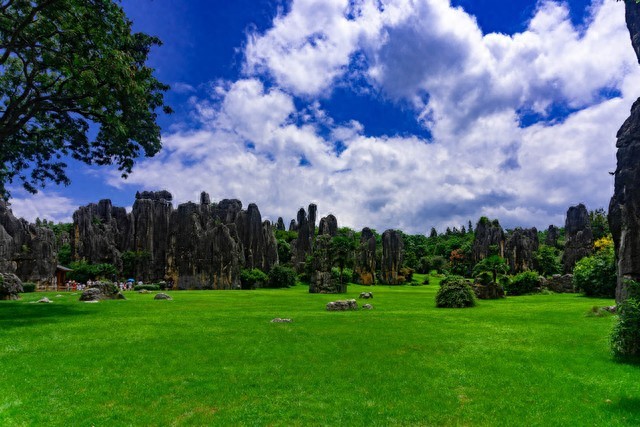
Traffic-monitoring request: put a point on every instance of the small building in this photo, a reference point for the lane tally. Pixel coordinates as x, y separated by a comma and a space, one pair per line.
61, 277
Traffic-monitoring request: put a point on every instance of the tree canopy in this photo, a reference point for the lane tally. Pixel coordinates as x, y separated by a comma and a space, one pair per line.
73, 81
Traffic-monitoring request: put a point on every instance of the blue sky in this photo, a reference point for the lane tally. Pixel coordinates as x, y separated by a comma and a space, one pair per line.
392, 114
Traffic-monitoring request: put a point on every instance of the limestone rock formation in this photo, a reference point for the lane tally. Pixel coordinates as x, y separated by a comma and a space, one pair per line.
27, 250
328, 225
303, 245
203, 254
553, 234
624, 208
148, 232
519, 249
280, 224
10, 286
392, 257
162, 296
257, 239
489, 236
322, 281
578, 237
365, 265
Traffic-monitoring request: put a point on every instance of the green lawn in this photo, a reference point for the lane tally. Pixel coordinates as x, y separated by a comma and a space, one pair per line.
214, 358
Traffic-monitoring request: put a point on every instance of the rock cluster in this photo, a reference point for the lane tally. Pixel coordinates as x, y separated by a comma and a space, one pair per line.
561, 284
10, 286
194, 246
553, 234
578, 237
100, 291
342, 305
302, 247
519, 249
624, 208
489, 237
322, 281
392, 257
26, 250
365, 264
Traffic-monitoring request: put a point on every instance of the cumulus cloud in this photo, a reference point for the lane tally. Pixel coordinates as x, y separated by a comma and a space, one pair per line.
43, 205
264, 138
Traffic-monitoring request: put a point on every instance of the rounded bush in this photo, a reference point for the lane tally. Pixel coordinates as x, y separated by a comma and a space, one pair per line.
454, 292
625, 338
253, 278
524, 283
28, 287
282, 277
595, 275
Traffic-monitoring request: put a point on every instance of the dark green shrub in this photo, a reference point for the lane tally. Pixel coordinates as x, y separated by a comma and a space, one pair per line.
625, 338
524, 283
83, 271
454, 292
282, 277
28, 287
147, 287
596, 275
253, 278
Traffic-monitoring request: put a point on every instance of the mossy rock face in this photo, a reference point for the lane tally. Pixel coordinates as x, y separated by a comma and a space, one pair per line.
10, 286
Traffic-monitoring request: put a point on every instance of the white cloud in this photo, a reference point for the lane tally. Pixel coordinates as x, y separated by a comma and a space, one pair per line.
43, 205
254, 144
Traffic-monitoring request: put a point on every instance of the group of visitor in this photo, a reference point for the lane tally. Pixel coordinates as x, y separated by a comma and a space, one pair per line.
72, 285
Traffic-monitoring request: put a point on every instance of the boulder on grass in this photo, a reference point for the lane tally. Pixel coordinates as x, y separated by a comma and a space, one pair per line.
488, 291
162, 295
100, 291
342, 305
366, 295
10, 286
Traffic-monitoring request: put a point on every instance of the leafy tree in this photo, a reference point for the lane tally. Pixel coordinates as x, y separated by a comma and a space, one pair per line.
524, 283
253, 278
83, 271
284, 251
64, 254
68, 66
281, 277
596, 275
454, 292
433, 233
494, 264
599, 223
546, 260
625, 337
342, 248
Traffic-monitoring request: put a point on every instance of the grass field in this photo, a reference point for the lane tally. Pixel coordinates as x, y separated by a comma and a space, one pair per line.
214, 358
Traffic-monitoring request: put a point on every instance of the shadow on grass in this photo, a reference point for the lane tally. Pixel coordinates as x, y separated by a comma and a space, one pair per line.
21, 314
628, 407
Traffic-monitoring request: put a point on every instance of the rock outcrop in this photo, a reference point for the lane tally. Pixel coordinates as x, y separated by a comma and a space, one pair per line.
342, 305
365, 265
302, 247
26, 250
10, 286
196, 246
624, 208
489, 238
578, 237
100, 291
328, 226
392, 257
553, 234
519, 249
559, 283
280, 224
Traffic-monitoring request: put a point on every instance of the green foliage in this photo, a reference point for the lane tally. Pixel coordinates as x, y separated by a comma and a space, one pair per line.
430, 263
284, 251
133, 261
342, 249
68, 66
599, 223
596, 275
281, 277
64, 254
524, 283
147, 287
454, 292
287, 236
625, 337
83, 271
493, 264
28, 287
253, 278
547, 260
